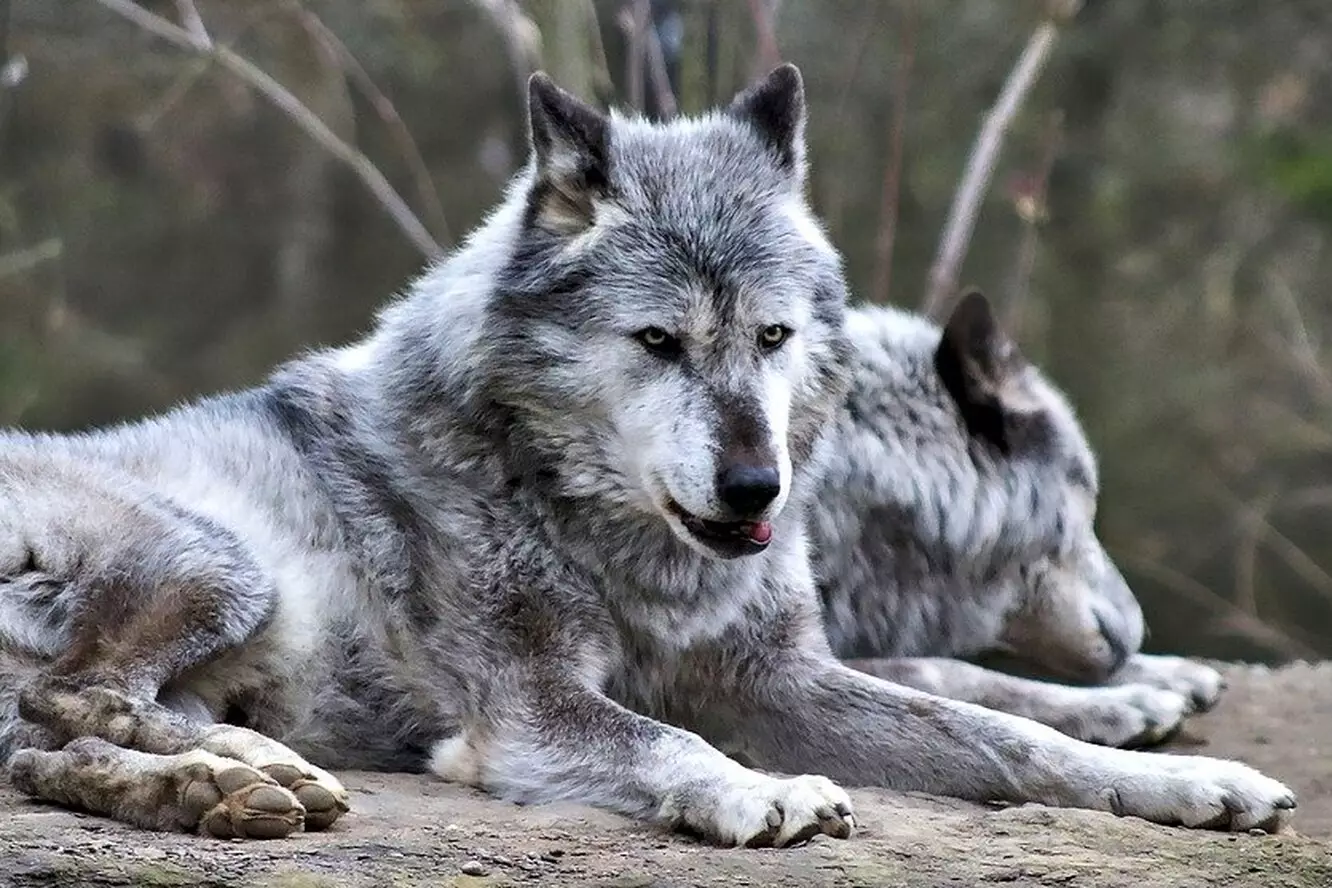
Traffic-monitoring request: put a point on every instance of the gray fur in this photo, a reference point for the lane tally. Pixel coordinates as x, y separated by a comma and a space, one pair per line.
472, 542
935, 538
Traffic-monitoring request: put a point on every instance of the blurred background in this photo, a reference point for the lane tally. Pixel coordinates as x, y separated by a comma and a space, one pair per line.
191, 192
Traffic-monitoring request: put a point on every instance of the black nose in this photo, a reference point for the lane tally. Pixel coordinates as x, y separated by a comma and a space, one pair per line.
1119, 652
747, 490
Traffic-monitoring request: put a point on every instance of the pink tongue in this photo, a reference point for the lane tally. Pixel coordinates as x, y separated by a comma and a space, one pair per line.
760, 532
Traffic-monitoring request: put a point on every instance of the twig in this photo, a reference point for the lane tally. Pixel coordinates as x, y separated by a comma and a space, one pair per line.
522, 40
892, 177
19, 261
633, 21
712, 51
1254, 526
388, 113
854, 59
1300, 349
147, 120
604, 86
1192, 590
1278, 543
193, 23
13, 68
834, 187
4, 33
302, 116
1033, 210
984, 156
1319, 497
765, 28
656, 65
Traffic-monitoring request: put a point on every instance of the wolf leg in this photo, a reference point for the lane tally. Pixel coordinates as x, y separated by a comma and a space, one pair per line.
1126, 715
71, 711
190, 791
560, 741
174, 594
1201, 684
788, 704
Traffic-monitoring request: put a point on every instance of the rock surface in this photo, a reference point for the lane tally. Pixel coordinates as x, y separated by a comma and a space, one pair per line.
413, 831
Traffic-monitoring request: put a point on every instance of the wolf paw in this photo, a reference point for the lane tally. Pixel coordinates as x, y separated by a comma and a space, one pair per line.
1128, 716
320, 793
227, 799
1199, 684
1201, 793
775, 812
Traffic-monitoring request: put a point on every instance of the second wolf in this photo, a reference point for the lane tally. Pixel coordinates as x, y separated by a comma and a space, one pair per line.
545, 531
955, 520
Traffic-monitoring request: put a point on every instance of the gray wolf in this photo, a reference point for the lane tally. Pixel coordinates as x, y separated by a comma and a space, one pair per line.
542, 532
954, 521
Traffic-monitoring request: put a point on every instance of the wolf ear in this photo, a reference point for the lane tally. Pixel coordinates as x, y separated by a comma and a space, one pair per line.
775, 108
977, 363
571, 146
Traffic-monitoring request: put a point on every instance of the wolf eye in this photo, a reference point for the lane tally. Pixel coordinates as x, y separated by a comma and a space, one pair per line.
659, 342
772, 337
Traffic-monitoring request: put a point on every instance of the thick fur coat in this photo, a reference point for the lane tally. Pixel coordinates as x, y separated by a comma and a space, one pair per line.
545, 531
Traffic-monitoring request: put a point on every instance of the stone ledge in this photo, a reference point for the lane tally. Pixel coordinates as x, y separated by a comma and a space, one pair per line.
413, 831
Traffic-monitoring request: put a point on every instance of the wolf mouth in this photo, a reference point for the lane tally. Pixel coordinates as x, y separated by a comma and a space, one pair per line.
729, 539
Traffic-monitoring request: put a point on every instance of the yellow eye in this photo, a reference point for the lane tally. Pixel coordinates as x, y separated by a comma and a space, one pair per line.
659, 342
772, 336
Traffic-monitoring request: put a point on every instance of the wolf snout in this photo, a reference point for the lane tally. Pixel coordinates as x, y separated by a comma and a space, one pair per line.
747, 490
1117, 638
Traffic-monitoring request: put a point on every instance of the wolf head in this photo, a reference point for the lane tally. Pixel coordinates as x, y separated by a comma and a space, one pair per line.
957, 515
666, 334
1074, 613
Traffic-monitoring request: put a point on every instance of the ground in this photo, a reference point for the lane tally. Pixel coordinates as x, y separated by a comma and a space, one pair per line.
410, 831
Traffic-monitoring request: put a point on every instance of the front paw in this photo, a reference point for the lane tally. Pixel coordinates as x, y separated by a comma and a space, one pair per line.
1131, 716
772, 812
1201, 793
1201, 685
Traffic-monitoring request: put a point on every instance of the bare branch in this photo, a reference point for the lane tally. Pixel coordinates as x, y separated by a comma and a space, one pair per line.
1253, 531
150, 22
13, 67
388, 113
892, 177
603, 85
1033, 211
764, 13
522, 39
147, 120
1278, 543
20, 261
1298, 348
1319, 497
193, 24
661, 81
1239, 620
633, 21
293, 108
834, 187
984, 156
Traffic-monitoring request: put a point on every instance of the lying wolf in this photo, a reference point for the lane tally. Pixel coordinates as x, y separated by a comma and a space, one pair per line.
954, 520
543, 532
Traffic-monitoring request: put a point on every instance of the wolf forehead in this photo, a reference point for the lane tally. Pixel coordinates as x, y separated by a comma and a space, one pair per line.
711, 181
671, 217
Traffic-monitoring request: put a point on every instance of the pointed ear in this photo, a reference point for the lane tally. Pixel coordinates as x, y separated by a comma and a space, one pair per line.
775, 108
977, 363
571, 146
